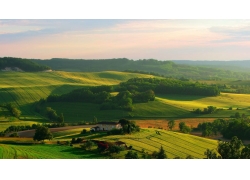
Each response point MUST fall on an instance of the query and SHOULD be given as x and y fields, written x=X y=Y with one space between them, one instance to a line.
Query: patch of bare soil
x=31 y=133
x=191 y=122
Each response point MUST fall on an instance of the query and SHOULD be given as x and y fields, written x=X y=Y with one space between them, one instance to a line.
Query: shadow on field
x=86 y=154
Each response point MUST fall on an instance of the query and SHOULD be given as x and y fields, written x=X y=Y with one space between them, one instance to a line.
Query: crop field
x=44 y=151
x=174 y=143
x=225 y=100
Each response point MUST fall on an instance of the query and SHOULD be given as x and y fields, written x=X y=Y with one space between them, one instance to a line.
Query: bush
x=115 y=149
x=115 y=132
x=14 y=135
x=87 y=145
x=84 y=131
x=131 y=155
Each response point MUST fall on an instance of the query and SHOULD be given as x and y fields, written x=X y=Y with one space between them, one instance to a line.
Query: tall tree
x=42 y=133
x=61 y=118
x=161 y=154
x=171 y=124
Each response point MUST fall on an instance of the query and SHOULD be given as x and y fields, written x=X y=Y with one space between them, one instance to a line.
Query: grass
x=70 y=132
x=44 y=151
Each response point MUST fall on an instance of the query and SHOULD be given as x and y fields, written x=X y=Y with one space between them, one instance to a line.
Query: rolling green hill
x=23 y=88
x=166 y=68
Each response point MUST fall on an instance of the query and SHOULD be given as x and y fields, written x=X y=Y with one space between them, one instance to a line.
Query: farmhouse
x=106 y=126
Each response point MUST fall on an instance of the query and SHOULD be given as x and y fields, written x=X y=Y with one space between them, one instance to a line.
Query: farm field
x=225 y=100
x=23 y=89
x=45 y=151
x=174 y=143
x=168 y=106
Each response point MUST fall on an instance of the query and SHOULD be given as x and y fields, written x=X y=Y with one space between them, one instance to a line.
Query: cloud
x=232 y=34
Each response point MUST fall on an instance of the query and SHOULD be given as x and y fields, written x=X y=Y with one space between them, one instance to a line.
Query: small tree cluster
x=52 y=115
x=208 y=110
x=129 y=127
x=229 y=150
x=184 y=128
x=13 y=110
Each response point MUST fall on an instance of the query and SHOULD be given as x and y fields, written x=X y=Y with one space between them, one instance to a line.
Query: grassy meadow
x=44 y=151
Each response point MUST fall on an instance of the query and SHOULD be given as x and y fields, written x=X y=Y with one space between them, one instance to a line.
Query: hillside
x=19 y=64
x=166 y=68
x=23 y=88
x=175 y=144
x=237 y=66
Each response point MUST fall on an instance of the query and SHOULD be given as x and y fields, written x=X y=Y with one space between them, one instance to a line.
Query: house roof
x=105 y=122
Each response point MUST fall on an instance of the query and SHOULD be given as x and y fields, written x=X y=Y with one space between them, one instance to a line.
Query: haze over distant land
x=132 y=39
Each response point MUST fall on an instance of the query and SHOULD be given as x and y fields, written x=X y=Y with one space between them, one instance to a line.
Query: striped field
x=175 y=144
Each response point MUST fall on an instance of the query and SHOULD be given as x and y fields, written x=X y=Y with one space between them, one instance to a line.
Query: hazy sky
x=133 y=39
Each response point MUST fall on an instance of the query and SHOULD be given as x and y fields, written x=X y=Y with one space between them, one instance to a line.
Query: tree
x=161 y=154
x=87 y=145
x=51 y=114
x=61 y=118
x=171 y=124
x=95 y=120
x=16 y=112
x=184 y=128
x=230 y=150
x=245 y=152
x=210 y=154
x=42 y=133
x=131 y=155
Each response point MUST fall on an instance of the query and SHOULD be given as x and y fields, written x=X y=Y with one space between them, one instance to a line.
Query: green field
x=45 y=151
x=164 y=106
x=174 y=143
x=23 y=89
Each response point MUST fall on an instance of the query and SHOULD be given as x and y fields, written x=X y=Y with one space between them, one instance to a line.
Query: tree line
x=169 y=86
x=228 y=128
x=101 y=95
x=24 y=64
x=234 y=149
x=165 y=68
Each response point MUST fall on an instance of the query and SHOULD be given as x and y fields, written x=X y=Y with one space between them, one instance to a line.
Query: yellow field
x=225 y=100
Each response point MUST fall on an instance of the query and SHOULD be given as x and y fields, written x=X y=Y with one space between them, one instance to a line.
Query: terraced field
x=174 y=143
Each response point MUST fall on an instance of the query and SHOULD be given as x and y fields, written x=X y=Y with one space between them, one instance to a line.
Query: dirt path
x=31 y=133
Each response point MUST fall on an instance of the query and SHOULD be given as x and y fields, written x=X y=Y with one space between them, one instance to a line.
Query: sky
x=162 y=39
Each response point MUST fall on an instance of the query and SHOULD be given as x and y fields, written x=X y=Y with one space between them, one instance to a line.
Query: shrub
x=131 y=155
x=84 y=131
x=14 y=135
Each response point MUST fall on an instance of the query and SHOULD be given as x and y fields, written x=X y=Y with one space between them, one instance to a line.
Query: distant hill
x=176 y=69
x=19 y=64
x=239 y=65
